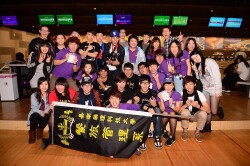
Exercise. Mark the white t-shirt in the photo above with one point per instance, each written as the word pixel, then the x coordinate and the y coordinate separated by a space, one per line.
pixel 244 71
pixel 201 97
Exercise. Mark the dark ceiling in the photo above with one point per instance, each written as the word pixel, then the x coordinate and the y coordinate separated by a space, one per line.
pixel 199 12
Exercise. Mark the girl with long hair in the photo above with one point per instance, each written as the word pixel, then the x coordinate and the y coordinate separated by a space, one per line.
pixel 39 113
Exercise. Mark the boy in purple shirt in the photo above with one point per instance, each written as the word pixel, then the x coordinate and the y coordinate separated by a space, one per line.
pixel 161 60
pixel 170 103
pixel 115 98
pixel 156 77
pixel 67 61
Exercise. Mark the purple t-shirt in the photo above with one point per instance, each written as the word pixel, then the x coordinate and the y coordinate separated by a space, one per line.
pixel 152 55
pixel 180 63
pixel 176 96
pixel 163 68
pixel 127 106
pixel 79 76
pixel 132 55
pixel 161 79
pixel 65 69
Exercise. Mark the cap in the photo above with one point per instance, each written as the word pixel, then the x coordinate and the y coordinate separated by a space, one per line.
pixel 168 80
pixel 115 33
pixel 86 80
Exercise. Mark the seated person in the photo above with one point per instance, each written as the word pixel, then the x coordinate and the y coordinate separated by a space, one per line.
pixel 156 77
pixel 195 103
pixel 88 95
pixel 132 80
pixel 170 104
pixel 115 98
pixel 102 84
pixel 121 85
pixel 146 97
pixel 143 68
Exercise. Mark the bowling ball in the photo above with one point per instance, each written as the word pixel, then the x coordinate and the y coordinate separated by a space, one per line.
pixel 25 84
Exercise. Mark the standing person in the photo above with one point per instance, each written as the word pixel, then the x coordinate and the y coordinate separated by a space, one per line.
pixel 39 64
pixel 145 43
pixel 99 58
pixel 170 104
pixel 191 45
pixel 88 95
pixel 208 72
pixel 122 40
pixel 39 113
pixel 194 103
pixel 132 79
pixel 102 84
pixel 133 53
pixel 89 49
pixel 60 42
pixel 155 45
pixel 178 64
pixel 75 33
pixel 66 63
pixel 62 93
pixel 114 55
pixel 44 33
pixel 146 97
pixel 166 33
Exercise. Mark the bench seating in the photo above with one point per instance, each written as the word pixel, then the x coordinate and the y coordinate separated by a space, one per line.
pixel 247 84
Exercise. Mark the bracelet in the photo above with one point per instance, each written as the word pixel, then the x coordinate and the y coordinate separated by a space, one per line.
pixel 75 64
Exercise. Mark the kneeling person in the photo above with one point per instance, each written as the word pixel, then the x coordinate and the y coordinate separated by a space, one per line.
pixel 88 95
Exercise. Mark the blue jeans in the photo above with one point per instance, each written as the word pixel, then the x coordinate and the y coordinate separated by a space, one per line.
pixel 157 121
pixel 178 80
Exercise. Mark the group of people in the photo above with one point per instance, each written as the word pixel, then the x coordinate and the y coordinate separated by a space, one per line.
pixel 133 75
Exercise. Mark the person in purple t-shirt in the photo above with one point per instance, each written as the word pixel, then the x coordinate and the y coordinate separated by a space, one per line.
pixel 161 59
pixel 156 77
pixel 87 69
pixel 67 61
pixel 178 64
pixel 170 103
pixel 155 45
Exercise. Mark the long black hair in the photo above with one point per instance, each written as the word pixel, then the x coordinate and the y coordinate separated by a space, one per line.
pixel 42 44
pixel 203 60
pixel 242 59
pixel 180 52
pixel 62 81
pixel 38 90
pixel 196 48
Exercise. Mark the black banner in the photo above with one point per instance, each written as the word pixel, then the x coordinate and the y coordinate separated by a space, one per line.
pixel 104 131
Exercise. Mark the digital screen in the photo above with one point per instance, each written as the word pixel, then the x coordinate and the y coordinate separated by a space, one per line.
pixel 122 19
pixel 233 22
pixel 46 19
pixel 161 20
pixel 179 20
pixel 216 21
pixel 64 19
pixel 9 20
pixel 104 19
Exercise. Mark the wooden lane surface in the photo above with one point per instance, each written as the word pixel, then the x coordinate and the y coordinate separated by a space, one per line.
pixel 218 148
